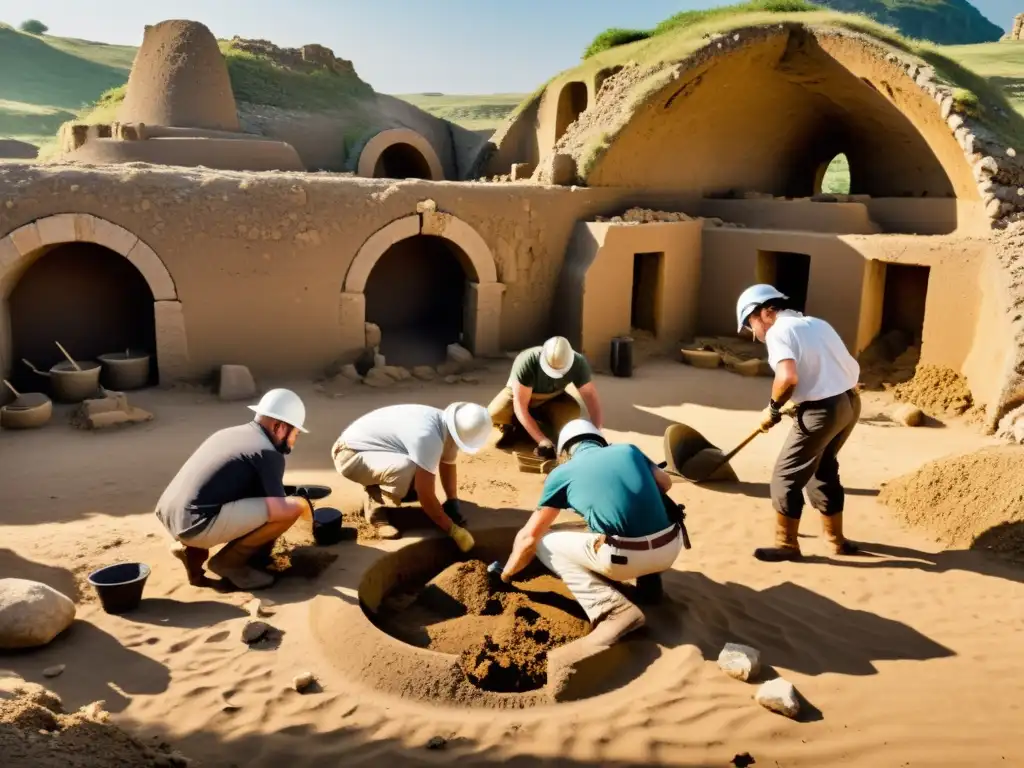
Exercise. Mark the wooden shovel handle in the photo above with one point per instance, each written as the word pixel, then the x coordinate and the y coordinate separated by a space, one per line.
pixel 69 357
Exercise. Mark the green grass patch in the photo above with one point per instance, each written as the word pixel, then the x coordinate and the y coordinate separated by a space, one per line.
pixel 474 112
pixel 836 180
pixel 613 37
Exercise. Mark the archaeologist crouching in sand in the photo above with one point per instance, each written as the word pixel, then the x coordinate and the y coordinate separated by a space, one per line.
pixel 635 530
pixel 230 491
pixel 816 373
pixel 396 452
pixel 536 389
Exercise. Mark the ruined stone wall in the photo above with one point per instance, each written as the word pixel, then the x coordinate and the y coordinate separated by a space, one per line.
pixel 1018 27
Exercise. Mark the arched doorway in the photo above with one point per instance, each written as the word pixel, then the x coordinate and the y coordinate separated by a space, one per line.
pixel 401 161
pixel 86 296
pixel 399 153
pixel 416 293
pixel 572 102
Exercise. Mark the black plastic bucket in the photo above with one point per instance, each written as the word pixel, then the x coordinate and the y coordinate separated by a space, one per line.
pixel 622 356
pixel 327 528
pixel 120 586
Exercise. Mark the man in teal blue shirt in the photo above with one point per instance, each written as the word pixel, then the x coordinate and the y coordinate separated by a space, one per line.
pixel 619 492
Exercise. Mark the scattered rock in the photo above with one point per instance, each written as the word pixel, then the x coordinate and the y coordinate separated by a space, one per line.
pixel 740 661
pixel 397 372
pixel 372 335
pixel 459 354
pixel 349 372
pixel 54 671
pixel 254 630
pixel 437 742
pixel 31 613
pixel 449 368
pixel 235 383
pixel 379 361
pixel 303 681
pixel 779 696
pixel 909 415
pixel 424 373
pixel 377 377
pixel 451 379
pixel 469 378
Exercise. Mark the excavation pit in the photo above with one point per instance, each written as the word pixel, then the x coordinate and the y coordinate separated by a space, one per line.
pixel 428 625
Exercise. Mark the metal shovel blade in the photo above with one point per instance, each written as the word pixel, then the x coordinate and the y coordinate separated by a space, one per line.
pixel 691 456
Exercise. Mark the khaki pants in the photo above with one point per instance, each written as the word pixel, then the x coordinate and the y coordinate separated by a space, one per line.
pixel 393 473
pixel 235 520
pixel 556 409
pixel 581 560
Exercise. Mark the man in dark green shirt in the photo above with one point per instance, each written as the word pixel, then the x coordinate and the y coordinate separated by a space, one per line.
pixel 619 493
pixel 536 388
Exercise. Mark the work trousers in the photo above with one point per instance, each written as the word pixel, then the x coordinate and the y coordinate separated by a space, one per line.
pixel 809 457
pixel 584 563
pixel 393 473
pixel 556 409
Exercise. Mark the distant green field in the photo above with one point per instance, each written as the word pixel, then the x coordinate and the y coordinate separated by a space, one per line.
pixel 1002 63
pixel 477 112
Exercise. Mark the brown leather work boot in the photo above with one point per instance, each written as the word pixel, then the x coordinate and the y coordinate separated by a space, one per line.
pixel 375 513
pixel 232 564
pixel 620 621
pixel 787 545
pixel 833 527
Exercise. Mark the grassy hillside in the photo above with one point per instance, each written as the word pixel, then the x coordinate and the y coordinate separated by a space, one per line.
pixel 475 112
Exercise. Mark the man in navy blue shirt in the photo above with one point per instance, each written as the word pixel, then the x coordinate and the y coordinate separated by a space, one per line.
pixel 619 493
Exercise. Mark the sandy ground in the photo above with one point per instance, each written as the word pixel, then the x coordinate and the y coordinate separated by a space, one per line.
pixel 906 656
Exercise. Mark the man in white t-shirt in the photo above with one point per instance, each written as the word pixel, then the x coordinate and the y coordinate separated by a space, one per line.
pixel 396 452
pixel 814 371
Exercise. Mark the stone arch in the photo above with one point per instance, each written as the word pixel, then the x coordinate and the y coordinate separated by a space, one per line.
pixel 22 247
pixel 482 310
pixel 417 150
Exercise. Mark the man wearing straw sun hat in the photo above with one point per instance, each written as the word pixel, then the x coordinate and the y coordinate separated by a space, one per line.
pixel 230 491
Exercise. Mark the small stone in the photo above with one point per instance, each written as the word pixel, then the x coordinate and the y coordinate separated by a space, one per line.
pixel 451 379
pixel 437 742
pixel 459 354
pixel 54 671
pixel 397 372
pixel 31 613
pixel 449 368
pixel 377 377
pixel 301 682
pixel 236 383
pixel 379 361
pixel 424 373
pixel 469 378
pixel 740 661
pixel 779 696
pixel 254 630
pixel 349 372
pixel 372 335
pixel 426 206
pixel 909 415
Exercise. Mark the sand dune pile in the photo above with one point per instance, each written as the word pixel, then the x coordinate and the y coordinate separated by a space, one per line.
pixel 35 733
pixel 937 391
pixel 501 636
pixel 975 500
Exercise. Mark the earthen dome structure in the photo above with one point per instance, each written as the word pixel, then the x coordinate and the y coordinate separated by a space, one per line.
pixel 648 192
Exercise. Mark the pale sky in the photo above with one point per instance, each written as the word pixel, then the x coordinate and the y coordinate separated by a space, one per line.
pixel 398 46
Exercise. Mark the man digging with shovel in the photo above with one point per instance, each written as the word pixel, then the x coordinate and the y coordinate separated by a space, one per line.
pixel 635 530
pixel 813 370
pixel 536 389
pixel 230 492
pixel 397 452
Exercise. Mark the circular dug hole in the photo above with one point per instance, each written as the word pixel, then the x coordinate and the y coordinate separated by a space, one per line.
pixel 429 626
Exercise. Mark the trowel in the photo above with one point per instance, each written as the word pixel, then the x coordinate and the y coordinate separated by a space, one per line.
pixel 535 464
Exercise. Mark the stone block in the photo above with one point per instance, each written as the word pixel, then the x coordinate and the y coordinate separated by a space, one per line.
pixel 118 418
pixel 9 254
pixel 377 377
pixel 397 372
pixel 424 373
pixel 112 236
pixel 372 335
pixel 31 613
pixel 235 383
pixel 26 239
pixel 522 171
pixel 909 415
pixel 153 269
pixel 779 696
pixel 563 170
pixel 740 661
pixel 171 341
pixel 459 354
pixel 54 230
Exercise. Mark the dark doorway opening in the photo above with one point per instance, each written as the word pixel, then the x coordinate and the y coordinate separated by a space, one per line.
pixel 647 282
pixel 402 161
pixel 416 293
pixel 789 272
pixel 572 102
pixel 903 303
pixel 90 299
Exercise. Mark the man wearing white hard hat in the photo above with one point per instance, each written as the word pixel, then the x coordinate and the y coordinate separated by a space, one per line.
pixel 815 372
pixel 230 491
pixel 397 452
pixel 536 388
pixel 634 530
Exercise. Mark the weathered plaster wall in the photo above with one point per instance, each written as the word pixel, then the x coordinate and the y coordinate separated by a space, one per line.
pixel 595 293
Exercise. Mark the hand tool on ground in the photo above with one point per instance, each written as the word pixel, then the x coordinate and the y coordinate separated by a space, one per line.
pixel 530 463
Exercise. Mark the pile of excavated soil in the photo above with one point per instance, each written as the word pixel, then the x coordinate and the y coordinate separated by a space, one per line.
pixel 890 359
pixel 936 390
pixel 975 500
pixel 35 733
pixel 502 637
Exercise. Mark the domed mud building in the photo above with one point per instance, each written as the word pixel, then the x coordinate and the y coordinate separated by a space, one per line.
pixel 195 228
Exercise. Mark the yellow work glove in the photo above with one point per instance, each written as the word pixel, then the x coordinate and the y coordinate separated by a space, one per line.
pixel 463 539
pixel 769 418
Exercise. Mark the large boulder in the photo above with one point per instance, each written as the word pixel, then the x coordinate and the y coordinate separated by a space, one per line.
pixel 31 614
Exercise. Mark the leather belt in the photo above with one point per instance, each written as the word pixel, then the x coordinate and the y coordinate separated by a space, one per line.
pixel 666 538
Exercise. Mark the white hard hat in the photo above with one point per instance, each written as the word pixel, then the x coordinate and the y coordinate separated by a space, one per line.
pixel 283 405
pixel 469 425
pixel 575 429
pixel 557 357
pixel 752 298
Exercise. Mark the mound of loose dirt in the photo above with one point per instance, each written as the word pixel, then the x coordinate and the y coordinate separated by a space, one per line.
pixel 35 733
pixel 890 359
pixel 502 637
pixel 975 500
pixel 936 390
